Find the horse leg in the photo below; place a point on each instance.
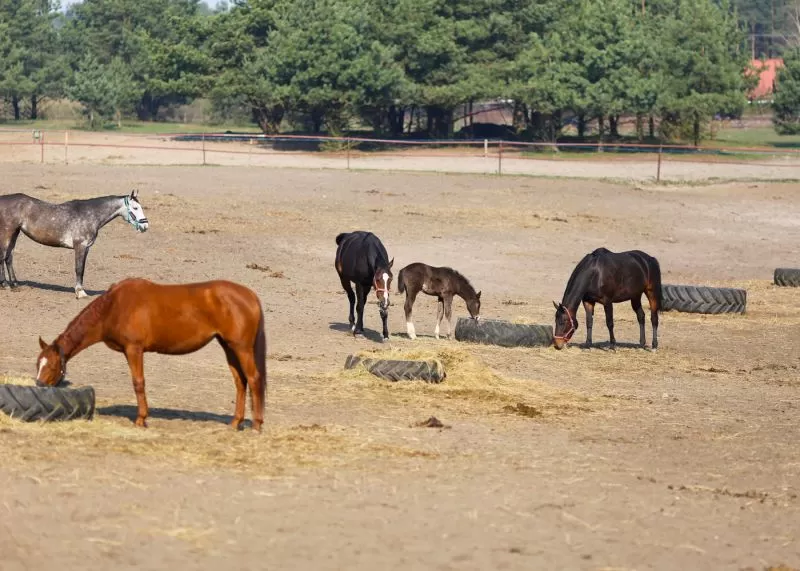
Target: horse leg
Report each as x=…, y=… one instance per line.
x=588, y=306
x=247, y=361
x=361, y=300
x=636, y=304
x=411, y=297
x=651, y=298
x=609, y=308
x=351, y=297
x=80, y=264
x=448, y=313
x=239, y=380
x=9, y=260
x=439, y=316
x=5, y=248
x=135, y=357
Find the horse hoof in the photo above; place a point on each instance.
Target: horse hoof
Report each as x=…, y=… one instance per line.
x=4, y=285
x=385, y=340
x=79, y=294
x=141, y=423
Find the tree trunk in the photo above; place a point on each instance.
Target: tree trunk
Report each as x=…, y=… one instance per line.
x=411, y=118
x=639, y=127
x=601, y=126
x=696, y=130
x=651, y=126
x=581, y=125
x=613, y=121
x=34, y=106
x=15, y=106
x=269, y=119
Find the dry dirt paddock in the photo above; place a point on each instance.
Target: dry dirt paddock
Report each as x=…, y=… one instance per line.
x=684, y=458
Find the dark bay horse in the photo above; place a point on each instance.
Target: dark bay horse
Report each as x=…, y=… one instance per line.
x=72, y=224
x=362, y=259
x=136, y=316
x=442, y=282
x=607, y=277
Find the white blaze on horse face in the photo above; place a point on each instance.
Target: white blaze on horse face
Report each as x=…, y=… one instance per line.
x=42, y=365
x=386, y=287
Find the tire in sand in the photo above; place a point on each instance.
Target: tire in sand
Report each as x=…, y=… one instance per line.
x=431, y=371
x=787, y=277
x=503, y=333
x=46, y=403
x=701, y=299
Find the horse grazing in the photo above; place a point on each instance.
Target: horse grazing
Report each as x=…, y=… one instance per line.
x=135, y=316
x=609, y=277
x=72, y=224
x=362, y=259
x=444, y=283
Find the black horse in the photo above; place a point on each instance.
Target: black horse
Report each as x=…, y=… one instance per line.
x=607, y=277
x=362, y=259
x=72, y=224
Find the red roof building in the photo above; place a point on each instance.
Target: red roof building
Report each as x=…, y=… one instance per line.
x=767, y=70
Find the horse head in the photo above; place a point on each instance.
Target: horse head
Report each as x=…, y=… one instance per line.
x=51, y=365
x=566, y=325
x=474, y=306
x=382, y=281
x=134, y=213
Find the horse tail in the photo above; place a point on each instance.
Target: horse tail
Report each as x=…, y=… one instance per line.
x=340, y=237
x=655, y=274
x=260, y=353
x=401, y=284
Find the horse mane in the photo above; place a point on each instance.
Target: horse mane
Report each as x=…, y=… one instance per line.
x=462, y=279
x=578, y=271
x=75, y=331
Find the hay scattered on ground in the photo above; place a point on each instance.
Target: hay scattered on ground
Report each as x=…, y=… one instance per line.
x=275, y=452
x=17, y=380
x=471, y=387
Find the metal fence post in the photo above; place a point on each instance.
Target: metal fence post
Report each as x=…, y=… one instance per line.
x=204, y=148
x=41, y=145
x=66, y=147
x=347, y=143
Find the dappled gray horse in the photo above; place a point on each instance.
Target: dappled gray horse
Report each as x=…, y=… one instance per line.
x=73, y=224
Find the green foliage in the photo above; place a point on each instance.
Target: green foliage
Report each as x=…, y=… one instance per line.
x=337, y=64
x=106, y=91
x=786, y=102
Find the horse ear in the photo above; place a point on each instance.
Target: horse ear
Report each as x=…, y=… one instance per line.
x=555, y=305
x=42, y=343
x=478, y=295
x=134, y=193
x=391, y=264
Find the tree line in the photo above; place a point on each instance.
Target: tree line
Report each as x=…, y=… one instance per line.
x=327, y=65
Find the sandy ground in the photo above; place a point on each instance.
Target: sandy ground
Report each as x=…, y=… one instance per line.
x=682, y=458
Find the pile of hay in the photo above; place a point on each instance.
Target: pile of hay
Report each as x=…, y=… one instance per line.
x=471, y=386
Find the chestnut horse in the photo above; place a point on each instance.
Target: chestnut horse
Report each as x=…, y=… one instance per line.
x=608, y=277
x=135, y=316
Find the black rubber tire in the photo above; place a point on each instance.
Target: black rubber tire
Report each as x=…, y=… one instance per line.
x=787, y=277
x=400, y=370
x=503, y=333
x=700, y=299
x=46, y=403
